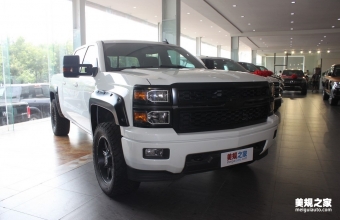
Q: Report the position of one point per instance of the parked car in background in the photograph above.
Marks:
(331, 85)
(261, 68)
(228, 64)
(14, 112)
(294, 80)
(36, 95)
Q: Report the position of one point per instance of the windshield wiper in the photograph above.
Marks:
(172, 66)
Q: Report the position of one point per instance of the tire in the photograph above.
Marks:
(304, 91)
(109, 163)
(60, 125)
(332, 101)
(325, 96)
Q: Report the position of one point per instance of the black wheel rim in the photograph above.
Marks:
(104, 160)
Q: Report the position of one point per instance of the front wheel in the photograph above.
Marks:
(60, 125)
(304, 91)
(109, 162)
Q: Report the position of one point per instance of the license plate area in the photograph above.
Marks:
(236, 157)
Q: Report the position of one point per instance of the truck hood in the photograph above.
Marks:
(169, 76)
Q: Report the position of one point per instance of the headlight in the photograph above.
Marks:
(151, 117)
(151, 96)
(152, 106)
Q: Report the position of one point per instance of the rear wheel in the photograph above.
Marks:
(109, 162)
(325, 96)
(60, 125)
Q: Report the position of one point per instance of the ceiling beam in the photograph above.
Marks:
(286, 33)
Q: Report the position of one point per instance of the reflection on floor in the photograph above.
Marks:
(45, 177)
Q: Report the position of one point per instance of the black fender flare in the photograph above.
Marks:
(111, 102)
(56, 97)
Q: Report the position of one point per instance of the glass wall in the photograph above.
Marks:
(189, 44)
(244, 53)
(293, 62)
(35, 35)
(208, 50)
(107, 24)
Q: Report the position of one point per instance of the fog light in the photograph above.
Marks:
(156, 153)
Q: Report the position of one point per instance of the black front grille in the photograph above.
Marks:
(207, 96)
(213, 119)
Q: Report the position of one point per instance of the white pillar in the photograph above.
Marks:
(198, 46)
(79, 27)
(253, 56)
(219, 50)
(171, 21)
(234, 48)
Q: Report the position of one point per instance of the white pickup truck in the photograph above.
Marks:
(156, 112)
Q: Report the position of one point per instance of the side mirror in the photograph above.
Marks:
(73, 69)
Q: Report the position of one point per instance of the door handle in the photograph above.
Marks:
(75, 84)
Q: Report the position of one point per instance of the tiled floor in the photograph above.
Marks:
(39, 178)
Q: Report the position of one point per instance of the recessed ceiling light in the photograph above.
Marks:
(249, 24)
(285, 51)
(301, 51)
(291, 38)
(292, 13)
(254, 30)
(226, 35)
(242, 16)
(185, 28)
(219, 31)
(260, 38)
(321, 40)
(333, 26)
(134, 7)
(188, 13)
(338, 19)
(293, 2)
(293, 52)
(291, 29)
(155, 16)
(310, 52)
(211, 26)
(324, 36)
(292, 22)
(234, 6)
(328, 51)
(318, 51)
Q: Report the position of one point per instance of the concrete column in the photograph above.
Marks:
(253, 56)
(171, 21)
(160, 32)
(198, 46)
(234, 48)
(79, 31)
(219, 50)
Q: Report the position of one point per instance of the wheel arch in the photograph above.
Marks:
(107, 107)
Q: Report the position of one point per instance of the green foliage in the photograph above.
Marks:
(31, 63)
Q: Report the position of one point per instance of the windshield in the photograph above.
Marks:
(222, 64)
(299, 73)
(249, 66)
(142, 55)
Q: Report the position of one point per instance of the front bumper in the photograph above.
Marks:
(294, 87)
(135, 139)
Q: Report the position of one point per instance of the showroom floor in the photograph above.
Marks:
(46, 177)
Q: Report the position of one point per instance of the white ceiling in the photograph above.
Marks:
(216, 20)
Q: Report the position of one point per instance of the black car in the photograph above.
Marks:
(36, 95)
(14, 113)
(294, 80)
